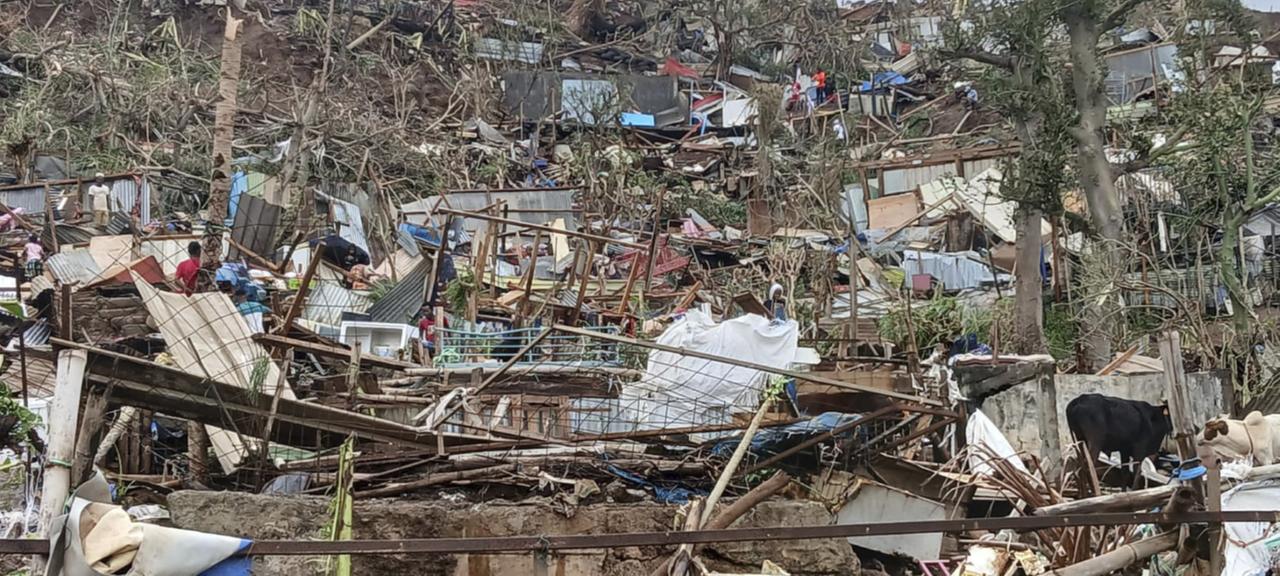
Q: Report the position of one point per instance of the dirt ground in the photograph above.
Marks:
(277, 517)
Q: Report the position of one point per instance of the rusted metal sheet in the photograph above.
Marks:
(256, 225)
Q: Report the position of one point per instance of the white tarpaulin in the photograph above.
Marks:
(97, 537)
(679, 390)
(1246, 551)
(981, 431)
(208, 337)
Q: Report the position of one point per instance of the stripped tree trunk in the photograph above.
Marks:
(1095, 174)
(223, 132)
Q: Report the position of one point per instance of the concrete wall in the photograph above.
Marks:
(1015, 410)
(298, 517)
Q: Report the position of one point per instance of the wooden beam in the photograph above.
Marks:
(479, 389)
(1118, 361)
(338, 352)
(295, 308)
(1121, 557)
(1120, 502)
(544, 228)
(254, 256)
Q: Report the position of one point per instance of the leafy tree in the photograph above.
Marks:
(1021, 79)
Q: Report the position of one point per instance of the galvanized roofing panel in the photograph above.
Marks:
(326, 302)
(74, 266)
(405, 299)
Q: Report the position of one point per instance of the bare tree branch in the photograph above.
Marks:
(1117, 15)
(981, 56)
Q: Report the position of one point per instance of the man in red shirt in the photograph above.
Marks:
(190, 268)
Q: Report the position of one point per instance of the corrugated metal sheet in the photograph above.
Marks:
(405, 299)
(74, 266)
(31, 200)
(906, 180)
(126, 193)
(209, 338)
(41, 376)
(496, 49)
(73, 234)
(548, 205)
(407, 241)
(326, 301)
(257, 223)
(38, 334)
(119, 223)
(168, 253)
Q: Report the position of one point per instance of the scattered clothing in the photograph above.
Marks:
(8, 221)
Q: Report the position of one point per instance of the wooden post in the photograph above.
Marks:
(653, 243)
(1213, 502)
(526, 283)
(590, 255)
(48, 214)
(300, 298)
(197, 452)
(1176, 393)
(441, 252)
(64, 413)
(94, 408)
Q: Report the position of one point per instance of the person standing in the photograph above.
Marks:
(189, 269)
(35, 257)
(820, 82)
(100, 194)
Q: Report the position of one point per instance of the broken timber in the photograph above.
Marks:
(136, 382)
(547, 229)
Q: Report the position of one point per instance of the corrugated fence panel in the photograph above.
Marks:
(256, 226)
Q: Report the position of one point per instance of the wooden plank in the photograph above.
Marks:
(339, 352)
(750, 304)
(1118, 361)
(142, 383)
(892, 211)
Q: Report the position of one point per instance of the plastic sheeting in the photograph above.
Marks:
(112, 542)
(1246, 552)
(679, 390)
(981, 431)
(958, 271)
(775, 440)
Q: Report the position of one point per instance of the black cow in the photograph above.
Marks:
(1133, 428)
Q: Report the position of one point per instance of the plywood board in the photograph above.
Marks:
(892, 211)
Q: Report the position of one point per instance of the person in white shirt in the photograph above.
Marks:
(100, 193)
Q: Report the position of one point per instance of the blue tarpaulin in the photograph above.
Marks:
(429, 235)
(883, 80)
(637, 119)
(675, 495)
(773, 440)
(239, 185)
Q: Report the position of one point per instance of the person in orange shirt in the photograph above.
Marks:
(820, 81)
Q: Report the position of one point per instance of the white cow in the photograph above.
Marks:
(1256, 437)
